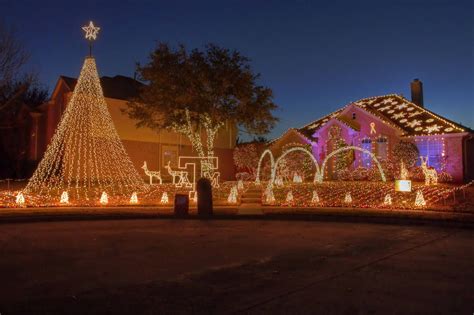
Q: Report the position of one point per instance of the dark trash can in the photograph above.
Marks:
(204, 203)
(181, 205)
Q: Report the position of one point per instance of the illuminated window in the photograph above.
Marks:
(382, 147)
(170, 154)
(366, 159)
(433, 149)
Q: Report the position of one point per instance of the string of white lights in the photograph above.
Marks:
(86, 156)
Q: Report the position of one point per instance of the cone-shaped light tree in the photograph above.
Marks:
(86, 156)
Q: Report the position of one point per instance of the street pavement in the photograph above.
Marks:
(166, 266)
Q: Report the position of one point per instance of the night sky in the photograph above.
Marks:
(315, 57)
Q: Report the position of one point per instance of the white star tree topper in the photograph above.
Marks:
(91, 31)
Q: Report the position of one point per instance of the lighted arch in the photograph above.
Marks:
(321, 174)
(272, 162)
(274, 168)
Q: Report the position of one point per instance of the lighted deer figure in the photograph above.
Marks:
(181, 175)
(431, 176)
(152, 174)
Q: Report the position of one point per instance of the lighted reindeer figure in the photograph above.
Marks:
(152, 174)
(431, 176)
(181, 175)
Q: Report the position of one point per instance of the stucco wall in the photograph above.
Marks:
(140, 151)
(127, 130)
(354, 130)
(454, 157)
(142, 144)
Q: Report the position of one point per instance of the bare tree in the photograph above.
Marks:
(13, 57)
(19, 93)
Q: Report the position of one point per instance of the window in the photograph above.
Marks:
(170, 154)
(366, 158)
(382, 147)
(353, 115)
(433, 149)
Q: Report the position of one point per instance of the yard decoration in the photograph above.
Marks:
(152, 174)
(64, 198)
(20, 199)
(348, 198)
(86, 155)
(233, 195)
(104, 198)
(420, 200)
(269, 197)
(431, 176)
(315, 198)
(134, 199)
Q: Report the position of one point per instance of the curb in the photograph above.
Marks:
(349, 215)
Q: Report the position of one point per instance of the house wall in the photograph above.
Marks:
(382, 129)
(454, 157)
(127, 130)
(290, 136)
(141, 144)
(457, 149)
(323, 147)
(152, 153)
(353, 131)
(468, 149)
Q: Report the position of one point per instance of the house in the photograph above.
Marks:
(376, 124)
(141, 144)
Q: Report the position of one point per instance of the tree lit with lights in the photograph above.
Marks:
(86, 158)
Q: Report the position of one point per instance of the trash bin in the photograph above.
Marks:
(204, 202)
(181, 205)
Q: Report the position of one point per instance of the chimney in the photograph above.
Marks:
(417, 92)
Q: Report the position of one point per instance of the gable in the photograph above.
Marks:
(309, 129)
(290, 136)
(370, 124)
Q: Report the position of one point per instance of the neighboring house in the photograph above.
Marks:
(14, 142)
(378, 123)
(142, 144)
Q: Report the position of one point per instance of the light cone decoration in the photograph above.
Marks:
(348, 198)
(233, 195)
(315, 198)
(104, 198)
(289, 197)
(420, 200)
(279, 181)
(86, 156)
(269, 196)
(164, 198)
(134, 198)
(64, 198)
(297, 178)
(20, 199)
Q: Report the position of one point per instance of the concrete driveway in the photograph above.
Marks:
(191, 266)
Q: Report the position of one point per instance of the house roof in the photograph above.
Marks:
(117, 87)
(313, 126)
(411, 119)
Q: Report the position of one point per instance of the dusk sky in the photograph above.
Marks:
(315, 57)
